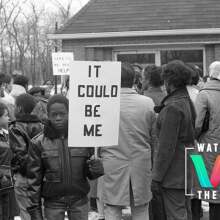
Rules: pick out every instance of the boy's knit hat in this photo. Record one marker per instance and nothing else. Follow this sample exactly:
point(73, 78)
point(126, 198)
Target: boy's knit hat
point(58, 99)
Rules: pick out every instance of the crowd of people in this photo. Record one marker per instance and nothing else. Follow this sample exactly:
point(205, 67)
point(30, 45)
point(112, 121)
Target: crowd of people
point(162, 112)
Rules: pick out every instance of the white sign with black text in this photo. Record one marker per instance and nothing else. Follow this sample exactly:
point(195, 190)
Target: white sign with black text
point(61, 63)
point(94, 107)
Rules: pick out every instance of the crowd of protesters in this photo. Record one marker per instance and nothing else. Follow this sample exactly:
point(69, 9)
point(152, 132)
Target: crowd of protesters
point(162, 112)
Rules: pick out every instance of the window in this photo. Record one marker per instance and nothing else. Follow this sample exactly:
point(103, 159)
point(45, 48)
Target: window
point(140, 58)
point(187, 56)
point(162, 56)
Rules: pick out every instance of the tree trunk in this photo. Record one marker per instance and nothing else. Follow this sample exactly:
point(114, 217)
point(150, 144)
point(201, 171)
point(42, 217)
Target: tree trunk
point(21, 63)
point(11, 60)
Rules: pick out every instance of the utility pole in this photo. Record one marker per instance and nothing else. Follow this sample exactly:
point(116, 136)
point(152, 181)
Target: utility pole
point(56, 50)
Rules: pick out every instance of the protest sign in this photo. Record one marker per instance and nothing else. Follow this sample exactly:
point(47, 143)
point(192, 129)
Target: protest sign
point(61, 63)
point(94, 107)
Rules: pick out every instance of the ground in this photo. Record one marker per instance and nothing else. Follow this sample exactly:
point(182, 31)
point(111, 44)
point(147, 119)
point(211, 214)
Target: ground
point(126, 216)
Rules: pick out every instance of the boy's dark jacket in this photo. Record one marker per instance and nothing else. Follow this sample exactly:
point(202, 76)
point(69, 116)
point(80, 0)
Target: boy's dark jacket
point(5, 160)
point(21, 131)
point(55, 170)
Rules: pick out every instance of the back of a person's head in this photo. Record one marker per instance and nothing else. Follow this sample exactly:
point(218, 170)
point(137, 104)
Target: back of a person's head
point(25, 103)
point(153, 73)
point(214, 70)
point(195, 76)
point(176, 73)
point(21, 80)
point(58, 99)
point(127, 75)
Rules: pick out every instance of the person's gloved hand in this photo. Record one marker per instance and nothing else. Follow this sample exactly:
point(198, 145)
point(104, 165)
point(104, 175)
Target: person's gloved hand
point(35, 213)
point(95, 167)
point(155, 187)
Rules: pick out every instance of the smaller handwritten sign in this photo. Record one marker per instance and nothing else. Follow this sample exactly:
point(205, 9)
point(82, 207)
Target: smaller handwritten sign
point(61, 63)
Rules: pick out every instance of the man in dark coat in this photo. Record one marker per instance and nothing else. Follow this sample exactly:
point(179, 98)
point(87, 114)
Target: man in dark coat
point(175, 128)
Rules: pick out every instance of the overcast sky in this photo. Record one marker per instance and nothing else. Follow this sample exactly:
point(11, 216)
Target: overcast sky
point(50, 6)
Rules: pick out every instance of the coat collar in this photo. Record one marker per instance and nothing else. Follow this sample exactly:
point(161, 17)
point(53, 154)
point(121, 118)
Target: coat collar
point(212, 84)
point(171, 98)
point(151, 90)
point(154, 89)
point(51, 133)
point(128, 91)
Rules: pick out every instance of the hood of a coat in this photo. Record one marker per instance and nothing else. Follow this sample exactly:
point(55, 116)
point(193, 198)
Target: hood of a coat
point(27, 118)
point(27, 123)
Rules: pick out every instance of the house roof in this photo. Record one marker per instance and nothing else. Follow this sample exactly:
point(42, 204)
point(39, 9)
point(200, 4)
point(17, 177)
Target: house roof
point(101, 16)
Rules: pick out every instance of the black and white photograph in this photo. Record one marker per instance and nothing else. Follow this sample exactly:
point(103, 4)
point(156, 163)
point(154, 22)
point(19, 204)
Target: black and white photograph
point(109, 110)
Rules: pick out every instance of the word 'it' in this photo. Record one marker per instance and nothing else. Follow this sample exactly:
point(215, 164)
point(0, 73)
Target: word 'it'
point(96, 71)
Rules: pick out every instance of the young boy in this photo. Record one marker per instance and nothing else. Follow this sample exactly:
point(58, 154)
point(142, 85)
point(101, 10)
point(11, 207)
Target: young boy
point(6, 186)
point(25, 127)
point(59, 173)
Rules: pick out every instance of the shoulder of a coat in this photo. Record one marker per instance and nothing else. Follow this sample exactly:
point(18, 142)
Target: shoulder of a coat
point(17, 127)
point(147, 100)
point(203, 94)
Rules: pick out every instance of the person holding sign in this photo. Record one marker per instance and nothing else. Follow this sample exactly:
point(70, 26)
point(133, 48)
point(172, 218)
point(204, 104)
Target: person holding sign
point(57, 172)
point(127, 178)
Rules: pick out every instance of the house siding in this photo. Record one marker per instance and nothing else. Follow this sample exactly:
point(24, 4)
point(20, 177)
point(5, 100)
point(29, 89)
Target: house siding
point(98, 49)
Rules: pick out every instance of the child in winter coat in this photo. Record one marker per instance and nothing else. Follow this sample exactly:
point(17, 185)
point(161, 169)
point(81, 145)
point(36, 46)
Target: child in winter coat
point(6, 183)
point(57, 172)
point(25, 127)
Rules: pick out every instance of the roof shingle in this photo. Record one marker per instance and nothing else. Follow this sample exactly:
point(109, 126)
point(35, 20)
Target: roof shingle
point(144, 15)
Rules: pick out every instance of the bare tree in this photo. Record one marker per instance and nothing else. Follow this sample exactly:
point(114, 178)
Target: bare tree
point(23, 37)
point(7, 11)
point(65, 9)
point(20, 31)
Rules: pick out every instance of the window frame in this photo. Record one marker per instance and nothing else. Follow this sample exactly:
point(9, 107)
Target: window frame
point(157, 52)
